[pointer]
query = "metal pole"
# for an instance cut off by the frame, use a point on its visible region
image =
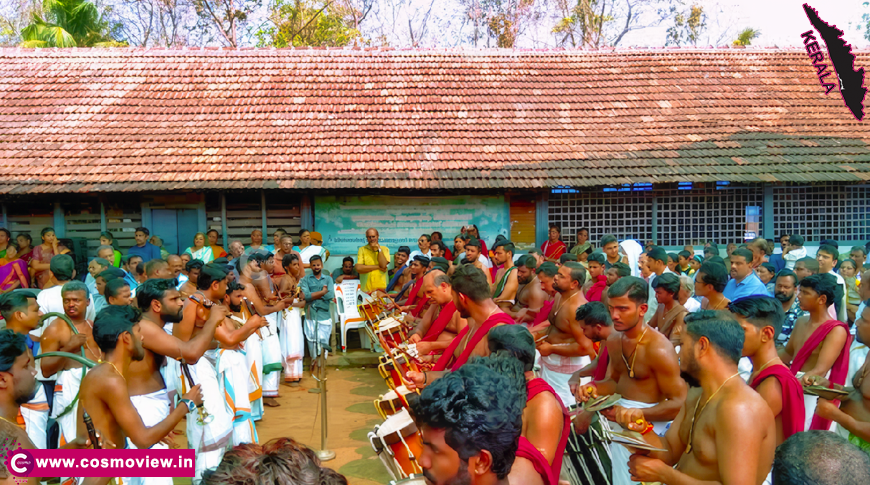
(324, 454)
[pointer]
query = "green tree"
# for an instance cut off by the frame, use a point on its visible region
(69, 23)
(688, 25)
(584, 27)
(310, 23)
(746, 36)
(865, 22)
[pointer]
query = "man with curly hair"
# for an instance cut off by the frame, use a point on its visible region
(470, 421)
(281, 461)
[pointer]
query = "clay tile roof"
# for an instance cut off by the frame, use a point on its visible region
(79, 120)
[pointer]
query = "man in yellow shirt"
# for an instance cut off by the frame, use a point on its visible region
(371, 263)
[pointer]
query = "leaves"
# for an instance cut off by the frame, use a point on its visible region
(746, 36)
(688, 25)
(68, 23)
(310, 23)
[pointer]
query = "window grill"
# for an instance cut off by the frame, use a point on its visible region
(824, 211)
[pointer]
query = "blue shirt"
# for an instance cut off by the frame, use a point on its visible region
(147, 252)
(319, 309)
(131, 281)
(751, 285)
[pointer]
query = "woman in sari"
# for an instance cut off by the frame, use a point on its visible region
(582, 242)
(200, 250)
(216, 250)
(42, 255)
(25, 248)
(13, 271)
(306, 249)
(553, 248)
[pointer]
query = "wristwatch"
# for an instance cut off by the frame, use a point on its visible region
(191, 406)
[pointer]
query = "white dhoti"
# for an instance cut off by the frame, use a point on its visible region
(235, 381)
(292, 344)
(317, 333)
(254, 357)
(620, 454)
(272, 355)
(153, 408)
(66, 403)
(209, 440)
(556, 370)
(810, 403)
(35, 414)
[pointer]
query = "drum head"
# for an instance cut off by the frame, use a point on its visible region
(396, 427)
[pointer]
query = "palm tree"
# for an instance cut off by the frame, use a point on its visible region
(68, 23)
(746, 36)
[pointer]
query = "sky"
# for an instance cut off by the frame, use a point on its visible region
(781, 21)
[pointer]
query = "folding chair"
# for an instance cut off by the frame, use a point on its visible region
(345, 305)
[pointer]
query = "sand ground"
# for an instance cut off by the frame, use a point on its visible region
(351, 415)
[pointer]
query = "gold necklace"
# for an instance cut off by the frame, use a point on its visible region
(10, 422)
(88, 345)
(695, 413)
(755, 373)
(562, 303)
(116, 370)
(633, 353)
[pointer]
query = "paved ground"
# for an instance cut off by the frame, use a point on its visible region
(352, 415)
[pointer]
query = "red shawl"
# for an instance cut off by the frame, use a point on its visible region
(597, 289)
(440, 322)
(447, 356)
(543, 314)
(838, 371)
(415, 289)
(535, 387)
(601, 369)
(793, 412)
(528, 451)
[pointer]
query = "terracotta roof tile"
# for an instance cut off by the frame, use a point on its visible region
(77, 120)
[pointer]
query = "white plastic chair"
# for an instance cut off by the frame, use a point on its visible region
(345, 305)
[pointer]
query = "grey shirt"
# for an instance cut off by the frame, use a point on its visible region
(319, 309)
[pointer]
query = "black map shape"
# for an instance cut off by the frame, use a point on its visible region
(851, 81)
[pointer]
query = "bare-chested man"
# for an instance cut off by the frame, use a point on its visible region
(565, 350)
(531, 297)
(442, 322)
(853, 415)
(58, 336)
(473, 252)
(211, 443)
(819, 346)
(504, 289)
(761, 318)
(643, 366)
(710, 281)
(724, 432)
(104, 393)
(669, 315)
(474, 303)
(260, 292)
(545, 420)
(415, 296)
(194, 267)
(18, 385)
(232, 366)
(290, 333)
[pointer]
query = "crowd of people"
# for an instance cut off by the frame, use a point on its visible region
(729, 368)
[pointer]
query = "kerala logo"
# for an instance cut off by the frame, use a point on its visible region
(842, 60)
